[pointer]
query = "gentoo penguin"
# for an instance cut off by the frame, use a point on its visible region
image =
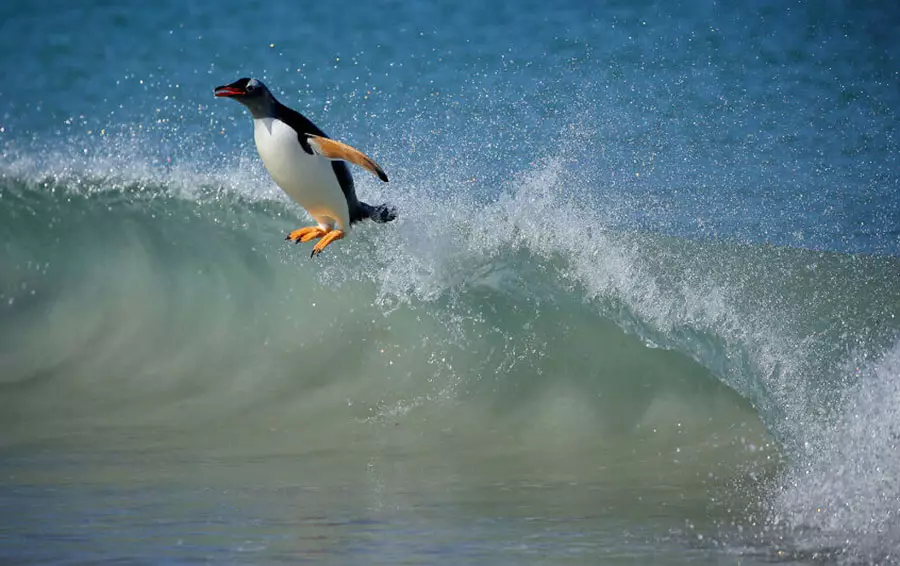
(307, 165)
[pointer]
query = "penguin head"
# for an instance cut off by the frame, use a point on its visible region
(252, 93)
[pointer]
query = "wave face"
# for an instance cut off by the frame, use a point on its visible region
(136, 293)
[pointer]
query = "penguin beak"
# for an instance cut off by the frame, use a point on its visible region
(228, 90)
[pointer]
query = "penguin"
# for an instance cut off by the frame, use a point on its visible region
(308, 165)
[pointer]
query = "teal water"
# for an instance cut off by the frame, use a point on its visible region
(641, 304)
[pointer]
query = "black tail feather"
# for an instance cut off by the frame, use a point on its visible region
(381, 213)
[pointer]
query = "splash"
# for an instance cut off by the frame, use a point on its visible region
(842, 500)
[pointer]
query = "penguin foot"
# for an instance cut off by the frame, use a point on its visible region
(305, 234)
(327, 239)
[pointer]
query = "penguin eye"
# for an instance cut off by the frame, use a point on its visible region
(250, 87)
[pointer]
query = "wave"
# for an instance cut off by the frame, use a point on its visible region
(139, 291)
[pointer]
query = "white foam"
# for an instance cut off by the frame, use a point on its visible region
(845, 493)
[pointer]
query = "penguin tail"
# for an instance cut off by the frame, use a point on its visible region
(380, 213)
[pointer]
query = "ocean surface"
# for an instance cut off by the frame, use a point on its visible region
(641, 304)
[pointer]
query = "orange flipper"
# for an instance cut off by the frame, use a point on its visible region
(333, 149)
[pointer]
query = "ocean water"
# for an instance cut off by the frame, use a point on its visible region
(641, 303)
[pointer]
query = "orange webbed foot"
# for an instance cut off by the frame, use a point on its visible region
(327, 239)
(305, 234)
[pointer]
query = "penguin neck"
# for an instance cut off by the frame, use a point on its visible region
(267, 107)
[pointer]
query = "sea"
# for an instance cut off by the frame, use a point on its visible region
(641, 303)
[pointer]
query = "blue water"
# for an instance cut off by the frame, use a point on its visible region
(776, 122)
(641, 303)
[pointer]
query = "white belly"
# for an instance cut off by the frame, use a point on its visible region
(308, 179)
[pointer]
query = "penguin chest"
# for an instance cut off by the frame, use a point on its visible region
(308, 179)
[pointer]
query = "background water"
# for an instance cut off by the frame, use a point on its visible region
(641, 303)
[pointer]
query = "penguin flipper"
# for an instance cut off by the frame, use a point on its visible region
(333, 149)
